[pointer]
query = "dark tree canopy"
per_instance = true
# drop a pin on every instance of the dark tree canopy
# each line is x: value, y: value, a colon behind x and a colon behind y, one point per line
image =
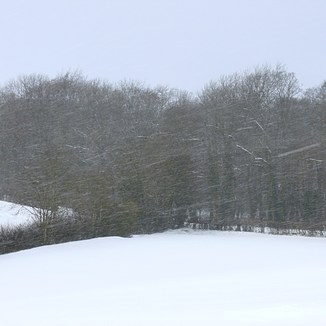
x: 249, y: 149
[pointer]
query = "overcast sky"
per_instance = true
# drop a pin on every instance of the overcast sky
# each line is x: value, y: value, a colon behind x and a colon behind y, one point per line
x: 182, y: 44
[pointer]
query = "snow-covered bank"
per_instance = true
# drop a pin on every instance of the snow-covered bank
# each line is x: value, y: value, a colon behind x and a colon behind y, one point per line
x: 13, y: 214
x: 175, y: 278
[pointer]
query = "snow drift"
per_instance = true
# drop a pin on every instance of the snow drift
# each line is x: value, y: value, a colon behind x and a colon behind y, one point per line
x: 175, y: 278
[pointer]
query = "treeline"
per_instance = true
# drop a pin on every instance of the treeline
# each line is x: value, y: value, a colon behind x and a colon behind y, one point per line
x: 248, y: 149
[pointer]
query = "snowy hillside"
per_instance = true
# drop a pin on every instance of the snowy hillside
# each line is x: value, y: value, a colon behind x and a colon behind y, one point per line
x: 175, y: 278
x: 12, y: 214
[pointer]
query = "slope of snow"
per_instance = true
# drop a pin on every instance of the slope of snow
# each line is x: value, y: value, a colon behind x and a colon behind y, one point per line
x: 13, y: 214
x: 175, y: 278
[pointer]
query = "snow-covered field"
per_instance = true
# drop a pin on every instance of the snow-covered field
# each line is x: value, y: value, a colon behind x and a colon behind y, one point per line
x: 12, y: 214
x: 174, y: 278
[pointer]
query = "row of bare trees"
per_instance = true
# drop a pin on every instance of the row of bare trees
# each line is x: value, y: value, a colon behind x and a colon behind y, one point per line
x: 249, y: 148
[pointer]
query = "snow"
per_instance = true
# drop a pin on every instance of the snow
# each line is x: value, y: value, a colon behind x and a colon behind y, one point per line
x: 13, y: 215
x: 298, y: 150
x: 176, y: 278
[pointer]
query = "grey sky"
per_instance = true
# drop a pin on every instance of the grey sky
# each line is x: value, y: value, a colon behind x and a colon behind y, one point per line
x: 182, y: 44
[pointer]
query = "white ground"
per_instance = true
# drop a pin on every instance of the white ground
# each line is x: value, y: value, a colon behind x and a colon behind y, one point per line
x: 170, y: 279
x: 12, y: 214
